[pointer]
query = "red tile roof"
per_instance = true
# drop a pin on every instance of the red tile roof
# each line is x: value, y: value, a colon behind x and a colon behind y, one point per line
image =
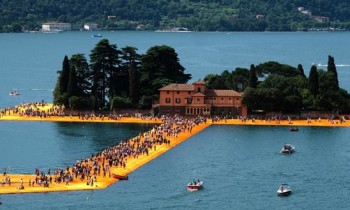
x: 178, y: 87
x: 217, y: 93
x: 199, y: 82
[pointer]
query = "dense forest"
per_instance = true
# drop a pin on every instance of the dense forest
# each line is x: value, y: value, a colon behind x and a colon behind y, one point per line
x: 196, y: 15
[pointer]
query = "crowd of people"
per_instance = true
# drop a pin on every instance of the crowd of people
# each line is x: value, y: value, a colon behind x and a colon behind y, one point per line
x: 101, y: 163
x: 34, y: 109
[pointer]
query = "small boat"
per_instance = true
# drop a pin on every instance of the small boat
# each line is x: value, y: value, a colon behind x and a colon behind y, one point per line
x: 120, y: 177
x: 97, y: 35
x: 14, y: 93
x: 195, y: 185
x: 288, y: 149
x: 284, y: 190
x: 294, y: 129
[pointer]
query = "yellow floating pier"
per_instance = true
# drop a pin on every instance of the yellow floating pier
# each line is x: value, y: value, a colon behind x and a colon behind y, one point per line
x: 132, y: 163
x: 101, y: 183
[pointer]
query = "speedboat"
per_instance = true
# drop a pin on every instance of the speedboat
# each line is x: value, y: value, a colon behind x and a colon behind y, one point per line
x: 294, y: 129
x: 97, y: 35
x: 284, y: 190
x: 288, y: 149
x: 195, y: 185
x: 14, y: 93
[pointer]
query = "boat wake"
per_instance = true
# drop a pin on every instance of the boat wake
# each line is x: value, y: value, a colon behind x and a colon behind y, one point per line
x: 36, y: 89
x: 337, y: 65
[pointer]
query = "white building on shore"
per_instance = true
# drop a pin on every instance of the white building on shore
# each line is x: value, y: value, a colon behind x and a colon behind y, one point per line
x: 90, y: 26
x: 51, y: 27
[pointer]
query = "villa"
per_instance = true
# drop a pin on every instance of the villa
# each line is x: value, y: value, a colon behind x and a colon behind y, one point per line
x: 195, y: 99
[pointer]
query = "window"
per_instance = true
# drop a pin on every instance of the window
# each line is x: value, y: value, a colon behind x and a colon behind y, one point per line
x: 189, y: 92
x: 167, y: 100
x: 189, y: 100
x: 177, y: 100
x: 199, y: 89
x: 167, y: 92
x: 222, y: 100
x: 198, y: 101
x: 178, y: 92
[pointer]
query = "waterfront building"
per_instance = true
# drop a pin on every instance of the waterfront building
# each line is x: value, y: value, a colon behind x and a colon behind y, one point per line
x: 56, y: 27
x: 90, y: 26
x: 195, y: 99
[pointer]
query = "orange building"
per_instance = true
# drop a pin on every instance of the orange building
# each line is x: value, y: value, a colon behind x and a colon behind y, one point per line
x: 195, y: 99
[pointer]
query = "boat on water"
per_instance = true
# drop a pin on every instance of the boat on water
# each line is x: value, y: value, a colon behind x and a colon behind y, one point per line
x: 294, y: 129
x: 284, y: 190
x: 97, y: 35
x: 120, y: 177
x: 14, y: 93
x: 288, y: 149
x: 195, y: 185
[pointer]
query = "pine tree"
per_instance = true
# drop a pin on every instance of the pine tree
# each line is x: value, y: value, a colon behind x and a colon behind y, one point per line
x: 104, y: 59
x: 132, y: 65
x: 332, y: 68
x: 72, y: 89
x: 313, y: 81
x: 301, y: 70
x: 64, y: 78
x: 253, y: 79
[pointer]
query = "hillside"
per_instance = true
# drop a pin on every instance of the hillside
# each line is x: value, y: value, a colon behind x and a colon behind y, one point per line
x: 196, y: 15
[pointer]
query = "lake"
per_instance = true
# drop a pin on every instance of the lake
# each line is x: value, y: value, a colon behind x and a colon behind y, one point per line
x: 240, y: 165
x: 29, y: 61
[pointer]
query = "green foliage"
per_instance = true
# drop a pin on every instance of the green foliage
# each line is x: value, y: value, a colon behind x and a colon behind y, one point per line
x: 209, y: 15
x: 80, y: 65
x: 120, y: 103
x: 332, y: 69
x: 286, y: 89
x: 313, y: 81
x: 146, y: 101
x: 253, y: 79
x: 113, y: 80
x: 161, y: 66
x: 81, y: 103
x: 105, y: 61
x: 273, y: 67
x: 268, y: 99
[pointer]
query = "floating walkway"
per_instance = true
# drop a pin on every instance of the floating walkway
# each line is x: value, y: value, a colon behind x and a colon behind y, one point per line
x: 101, y: 183
x: 132, y: 163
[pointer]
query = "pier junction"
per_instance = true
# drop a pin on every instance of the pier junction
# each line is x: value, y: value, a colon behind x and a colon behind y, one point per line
x: 117, y: 162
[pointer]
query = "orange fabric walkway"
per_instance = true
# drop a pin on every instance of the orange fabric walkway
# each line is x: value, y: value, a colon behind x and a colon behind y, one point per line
x: 132, y: 163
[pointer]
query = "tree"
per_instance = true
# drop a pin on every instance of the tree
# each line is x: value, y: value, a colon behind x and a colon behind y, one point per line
x: 253, y: 79
x: 332, y: 68
x: 313, y: 83
x: 64, y: 75
x: 79, y: 64
x: 132, y: 62
x: 72, y: 89
x: 301, y: 70
x: 60, y: 92
x: 159, y: 63
x: 104, y: 59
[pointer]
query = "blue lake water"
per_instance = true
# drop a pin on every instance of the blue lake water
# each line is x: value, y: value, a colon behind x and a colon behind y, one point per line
x: 240, y: 165
x: 29, y: 61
